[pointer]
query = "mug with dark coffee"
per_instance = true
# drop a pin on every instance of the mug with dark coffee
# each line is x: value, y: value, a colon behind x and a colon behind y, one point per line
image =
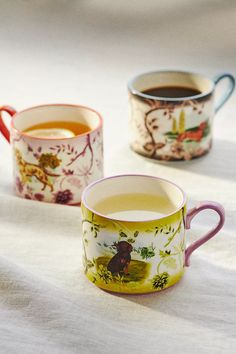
x: 172, y: 113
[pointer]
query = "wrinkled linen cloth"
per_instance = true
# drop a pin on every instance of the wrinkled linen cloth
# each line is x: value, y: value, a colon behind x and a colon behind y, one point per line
x: 48, y: 306
x: 85, y: 52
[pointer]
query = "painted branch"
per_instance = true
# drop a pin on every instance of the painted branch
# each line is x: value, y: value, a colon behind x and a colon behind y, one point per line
x: 82, y: 153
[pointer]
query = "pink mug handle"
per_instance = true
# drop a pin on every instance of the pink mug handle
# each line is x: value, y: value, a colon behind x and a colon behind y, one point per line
x: 3, y: 129
x: 190, y: 215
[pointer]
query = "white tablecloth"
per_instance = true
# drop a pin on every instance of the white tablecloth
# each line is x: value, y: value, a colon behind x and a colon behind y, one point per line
x: 84, y: 52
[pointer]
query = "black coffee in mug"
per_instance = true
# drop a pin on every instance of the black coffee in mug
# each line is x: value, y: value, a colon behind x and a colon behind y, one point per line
x: 172, y: 91
x: 172, y: 113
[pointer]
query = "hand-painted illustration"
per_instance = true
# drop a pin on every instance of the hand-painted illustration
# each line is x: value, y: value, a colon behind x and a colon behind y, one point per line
x: 128, y: 258
x: 56, y: 172
x: 164, y: 130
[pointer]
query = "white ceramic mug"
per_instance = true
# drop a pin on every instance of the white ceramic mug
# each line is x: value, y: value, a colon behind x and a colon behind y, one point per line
x: 170, y: 128
x: 49, y: 169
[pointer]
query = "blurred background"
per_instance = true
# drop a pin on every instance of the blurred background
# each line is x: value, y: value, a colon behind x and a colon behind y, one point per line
x: 85, y: 51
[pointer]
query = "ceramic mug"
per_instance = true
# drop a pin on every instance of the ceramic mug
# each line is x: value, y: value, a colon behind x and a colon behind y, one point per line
x: 166, y: 128
x: 49, y: 169
x: 139, y: 255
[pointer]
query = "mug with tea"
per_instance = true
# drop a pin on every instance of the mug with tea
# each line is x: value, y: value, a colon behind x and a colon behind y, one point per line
x: 134, y: 233
x: 172, y: 113
x: 57, y: 151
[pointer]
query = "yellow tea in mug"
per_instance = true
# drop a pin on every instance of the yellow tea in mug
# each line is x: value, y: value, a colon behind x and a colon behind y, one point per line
x: 57, y: 129
x: 135, y: 206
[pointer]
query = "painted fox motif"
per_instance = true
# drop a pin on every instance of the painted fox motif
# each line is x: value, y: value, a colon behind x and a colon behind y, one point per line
x: 27, y: 170
x: 193, y: 135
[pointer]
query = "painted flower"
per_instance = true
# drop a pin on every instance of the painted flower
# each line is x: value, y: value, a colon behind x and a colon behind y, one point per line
x: 147, y: 252
x: 39, y: 196
x: 63, y: 197
x: 160, y: 280
x: 49, y: 160
x: 177, y: 149
x: 19, y: 185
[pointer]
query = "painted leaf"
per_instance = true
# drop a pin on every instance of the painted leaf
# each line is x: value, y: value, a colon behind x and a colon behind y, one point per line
x: 147, y: 252
x: 164, y: 254
x: 122, y: 234
x: 149, y: 146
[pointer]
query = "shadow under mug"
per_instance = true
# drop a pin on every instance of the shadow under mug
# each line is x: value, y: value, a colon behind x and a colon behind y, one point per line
x: 139, y: 256
x: 169, y: 128
x: 49, y: 169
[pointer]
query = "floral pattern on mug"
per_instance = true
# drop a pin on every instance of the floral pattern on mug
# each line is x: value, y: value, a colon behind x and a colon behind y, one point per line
x: 166, y: 130
x: 128, y: 257
x: 56, y: 171
x: 173, y: 127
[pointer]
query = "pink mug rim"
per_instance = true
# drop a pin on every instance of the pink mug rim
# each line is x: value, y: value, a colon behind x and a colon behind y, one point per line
x: 100, y: 124
x: 86, y: 189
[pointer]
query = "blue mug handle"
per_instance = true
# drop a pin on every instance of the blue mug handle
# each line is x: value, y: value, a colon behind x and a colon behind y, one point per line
x: 229, y: 90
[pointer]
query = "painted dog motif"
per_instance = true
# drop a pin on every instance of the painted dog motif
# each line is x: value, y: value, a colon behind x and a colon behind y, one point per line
x: 27, y: 170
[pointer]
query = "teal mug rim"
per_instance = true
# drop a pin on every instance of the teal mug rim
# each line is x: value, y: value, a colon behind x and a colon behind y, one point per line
x: 171, y: 99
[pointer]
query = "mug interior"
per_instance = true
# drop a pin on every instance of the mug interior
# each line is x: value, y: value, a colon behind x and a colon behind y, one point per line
x: 49, y: 113
x: 171, y: 78
x: 133, y: 184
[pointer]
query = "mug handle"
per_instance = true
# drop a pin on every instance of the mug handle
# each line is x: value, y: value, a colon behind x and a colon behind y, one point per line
x: 229, y: 89
x: 191, y: 214
x: 3, y: 129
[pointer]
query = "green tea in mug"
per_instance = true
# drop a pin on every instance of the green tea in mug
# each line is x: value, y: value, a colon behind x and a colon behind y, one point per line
x: 135, y: 206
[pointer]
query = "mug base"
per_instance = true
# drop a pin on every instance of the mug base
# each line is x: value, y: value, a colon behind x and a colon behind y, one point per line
x: 142, y: 293
x: 142, y: 288
x: 168, y: 158
x: 29, y: 197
